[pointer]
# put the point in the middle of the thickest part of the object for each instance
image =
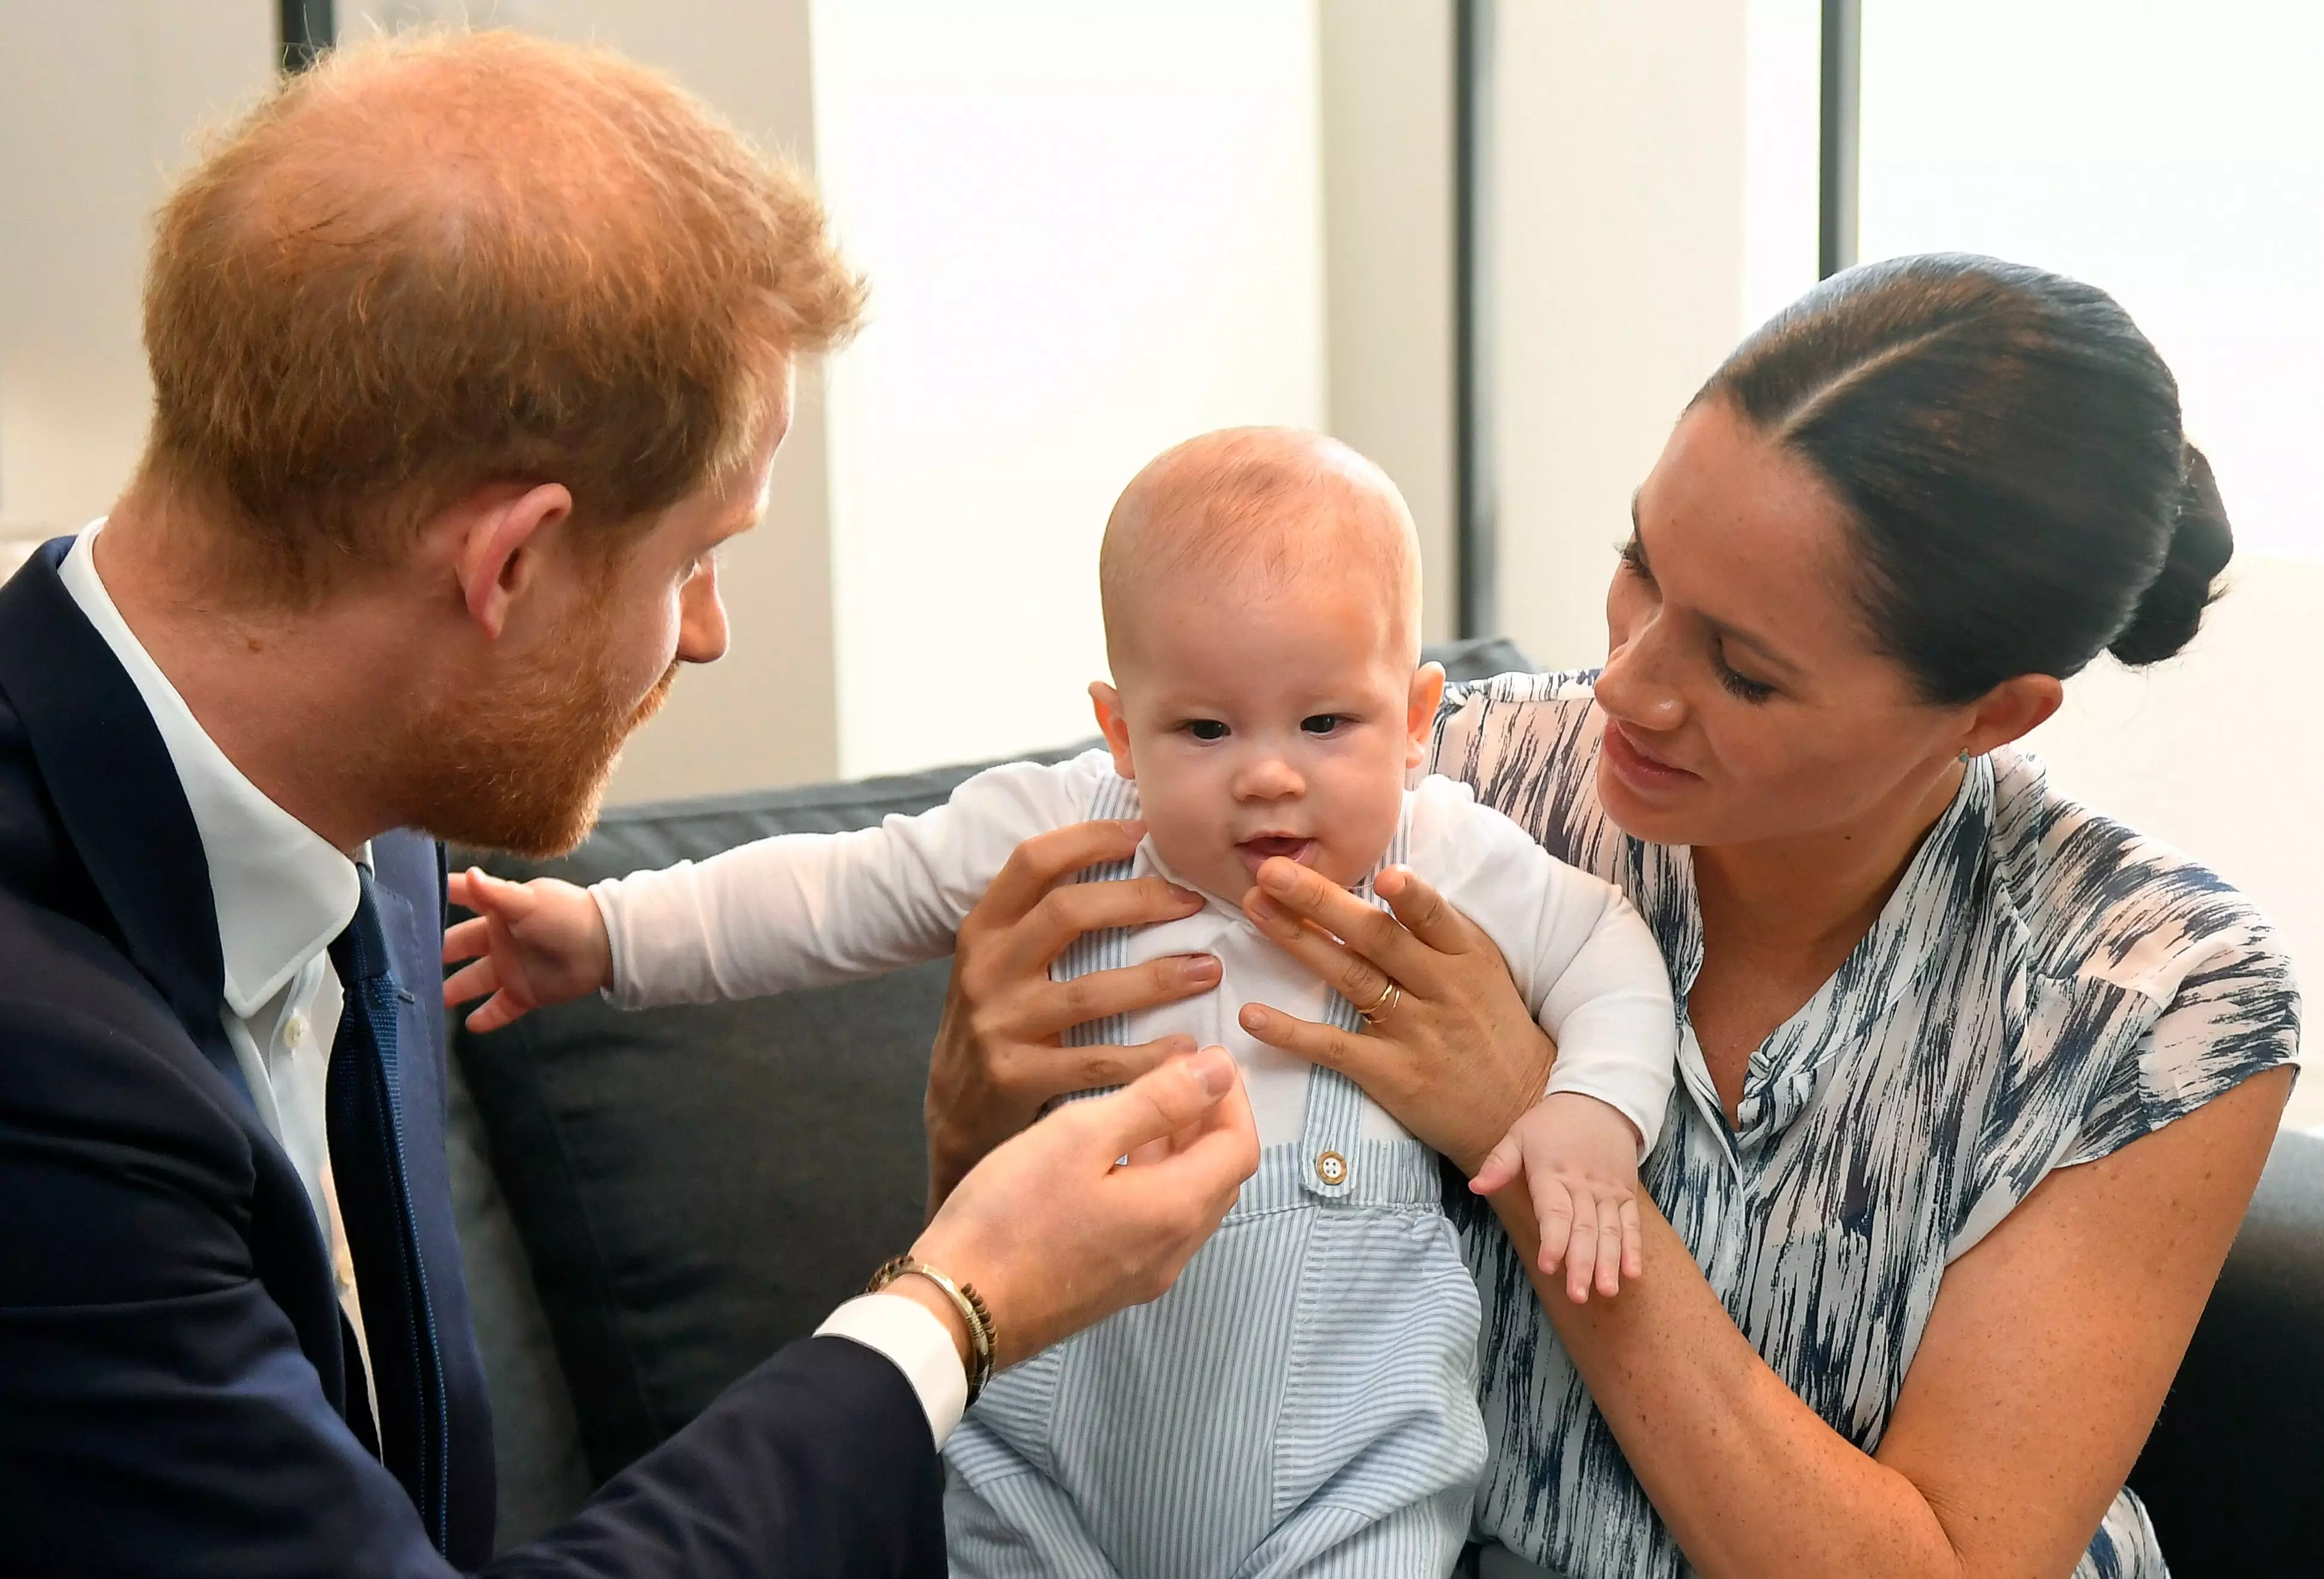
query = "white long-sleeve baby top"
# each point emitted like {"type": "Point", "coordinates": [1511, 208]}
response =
{"type": "Point", "coordinates": [810, 909]}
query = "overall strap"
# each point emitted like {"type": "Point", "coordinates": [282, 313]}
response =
{"type": "Point", "coordinates": [1109, 948]}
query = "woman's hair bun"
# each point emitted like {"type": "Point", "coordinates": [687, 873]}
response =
{"type": "Point", "coordinates": [2170, 610]}
{"type": "Point", "coordinates": [2010, 454]}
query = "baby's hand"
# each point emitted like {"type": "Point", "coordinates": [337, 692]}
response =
{"type": "Point", "coordinates": [1580, 1159]}
{"type": "Point", "coordinates": [533, 943]}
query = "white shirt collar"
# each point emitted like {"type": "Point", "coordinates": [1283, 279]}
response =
{"type": "Point", "coordinates": [282, 891]}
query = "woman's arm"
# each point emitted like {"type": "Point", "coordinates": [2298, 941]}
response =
{"type": "Point", "coordinates": [2042, 1369]}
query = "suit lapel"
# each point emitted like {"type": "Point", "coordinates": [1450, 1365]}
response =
{"type": "Point", "coordinates": [118, 794]}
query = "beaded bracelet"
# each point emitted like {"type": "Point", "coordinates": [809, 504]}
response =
{"type": "Point", "coordinates": [982, 1333]}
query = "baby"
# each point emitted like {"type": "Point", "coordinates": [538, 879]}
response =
{"type": "Point", "coordinates": [1303, 1400]}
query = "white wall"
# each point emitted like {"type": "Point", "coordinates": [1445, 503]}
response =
{"type": "Point", "coordinates": [1092, 231]}
{"type": "Point", "coordinates": [99, 102]}
{"type": "Point", "coordinates": [1388, 259]}
{"type": "Point", "coordinates": [1618, 256]}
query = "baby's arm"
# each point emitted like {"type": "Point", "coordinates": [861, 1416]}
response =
{"type": "Point", "coordinates": [1591, 973]}
{"type": "Point", "coordinates": [799, 910]}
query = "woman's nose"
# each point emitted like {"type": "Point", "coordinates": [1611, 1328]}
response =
{"type": "Point", "coordinates": [1633, 687]}
{"type": "Point", "coordinates": [701, 617]}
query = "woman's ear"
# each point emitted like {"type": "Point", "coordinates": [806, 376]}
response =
{"type": "Point", "coordinates": [2012, 710]}
{"type": "Point", "coordinates": [1420, 716]}
{"type": "Point", "coordinates": [1111, 724]}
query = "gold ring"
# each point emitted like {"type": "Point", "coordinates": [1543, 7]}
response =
{"type": "Point", "coordinates": [1390, 996]}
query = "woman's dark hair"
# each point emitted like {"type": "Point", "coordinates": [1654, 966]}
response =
{"type": "Point", "coordinates": [2008, 446]}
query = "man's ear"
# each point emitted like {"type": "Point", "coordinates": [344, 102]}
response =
{"type": "Point", "coordinates": [496, 547]}
{"type": "Point", "coordinates": [1114, 726]}
{"type": "Point", "coordinates": [1420, 716]}
{"type": "Point", "coordinates": [2012, 710]}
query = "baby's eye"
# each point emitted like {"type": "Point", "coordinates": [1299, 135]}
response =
{"type": "Point", "coordinates": [1205, 729]}
{"type": "Point", "coordinates": [1322, 723]}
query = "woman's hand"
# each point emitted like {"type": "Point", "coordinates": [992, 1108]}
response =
{"type": "Point", "coordinates": [1452, 1053]}
{"type": "Point", "coordinates": [997, 1057]}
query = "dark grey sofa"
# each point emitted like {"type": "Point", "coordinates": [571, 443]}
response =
{"type": "Point", "coordinates": [651, 1203]}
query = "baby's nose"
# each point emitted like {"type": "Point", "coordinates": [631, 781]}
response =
{"type": "Point", "coordinates": [1270, 778]}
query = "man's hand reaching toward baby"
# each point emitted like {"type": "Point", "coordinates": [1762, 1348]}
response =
{"type": "Point", "coordinates": [1580, 1161]}
{"type": "Point", "coordinates": [531, 944]}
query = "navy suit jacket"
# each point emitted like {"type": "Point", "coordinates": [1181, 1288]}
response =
{"type": "Point", "coordinates": [174, 1372]}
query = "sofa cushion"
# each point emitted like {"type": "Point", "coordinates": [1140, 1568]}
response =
{"type": "Point", "coordinates": [695, 1187]}
{"type": "Point", "coordinates": [2232, 1473]}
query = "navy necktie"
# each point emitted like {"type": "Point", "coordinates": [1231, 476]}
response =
{"type": "Point", "coordinates": [364, 1121]}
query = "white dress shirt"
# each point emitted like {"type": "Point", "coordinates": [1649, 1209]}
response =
{"type": "Point", "coordinates": [283, 894]}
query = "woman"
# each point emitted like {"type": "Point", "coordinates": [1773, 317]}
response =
{"type": "Point", "coordinates": [1976, 1084]}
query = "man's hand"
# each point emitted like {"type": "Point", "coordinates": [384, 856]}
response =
{"type": "Point", "coordinates": [533, 944]}
{"type": "Point", "coordinates": [998, 1059]}
{"type": "Point", "coordinates": [1580, 1161]}
{"type": "Point", "coordinates": [1058, 1233]}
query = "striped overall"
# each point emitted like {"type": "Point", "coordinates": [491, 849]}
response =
{"type": "Point", "coordinates": [1303, 1401]}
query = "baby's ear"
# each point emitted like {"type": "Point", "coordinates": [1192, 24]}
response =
{"type": "Point", "coordinates": [1420, 720]}
{"type": "Point", "coordinates": [1110, 722]}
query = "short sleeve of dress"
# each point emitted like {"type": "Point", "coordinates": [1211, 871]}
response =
{"type": "Point", "coordinates": [2234, 1014]}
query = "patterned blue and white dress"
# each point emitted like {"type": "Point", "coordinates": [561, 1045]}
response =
{"type": "Point", "coordinates": [2044, 987]}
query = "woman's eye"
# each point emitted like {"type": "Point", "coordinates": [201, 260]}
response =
{"type": "Point", "coordinates": [1741, 686]}
{"type": "Point", "coordinates": [1322, 723]}
{"type": "Point", "coordinates": [1205, 729]}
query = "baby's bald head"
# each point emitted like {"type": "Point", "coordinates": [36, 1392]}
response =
{"type": "Point", "coordinates": [1261, 512]}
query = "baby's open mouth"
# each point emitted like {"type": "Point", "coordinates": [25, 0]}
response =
{"type": "Point", "coordinates": [1255, 852]}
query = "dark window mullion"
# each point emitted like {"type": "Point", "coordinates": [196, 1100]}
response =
{"type": "Point", "coordinates": [309, 28]}
{"type": "Point", "coordinates": [1839, 136]}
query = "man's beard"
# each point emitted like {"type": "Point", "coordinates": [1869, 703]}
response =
{"type": "Point", "coordinates": [526, 772]}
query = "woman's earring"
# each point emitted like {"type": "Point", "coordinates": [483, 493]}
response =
{"type": "Point", "coordinates": [1964, 756]}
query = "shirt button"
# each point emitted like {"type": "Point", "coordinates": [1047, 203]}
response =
{"type": "Point", "coordinates": [294, 1028]}
{"type": "Point", "coordinates": [1332, 1168]}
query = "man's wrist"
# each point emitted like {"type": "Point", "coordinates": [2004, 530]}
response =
{"type": "Point", "coordinates": [934, 1301]}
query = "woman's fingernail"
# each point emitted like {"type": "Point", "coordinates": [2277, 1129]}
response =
{"type": "Point", "coordinates": [1279, 876]}
{"type": "Point", "coordinates": [1215, 1070]}
{"type": "Point", "coordinates": [1252, 1018]}
{"type": "Point", "coordinates": [1185, 896]}
{"type": "Point", "coordinates": [1202, 971]}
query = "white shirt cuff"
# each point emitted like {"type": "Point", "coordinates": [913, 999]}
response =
{"type": "Point", "coordinates": [917, 1343]}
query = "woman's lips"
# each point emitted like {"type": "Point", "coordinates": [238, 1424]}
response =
{"type": "Point", "coordinates": [1638, 767]}
{"type": "Point", "coordinates": [1258, 851]}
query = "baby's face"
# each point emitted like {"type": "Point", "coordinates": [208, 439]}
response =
{"type": "Point", "coordinates": [1270, 723]}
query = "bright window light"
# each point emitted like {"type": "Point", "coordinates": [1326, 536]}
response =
{"type": "Point", "coordinates": [2169, 152]}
